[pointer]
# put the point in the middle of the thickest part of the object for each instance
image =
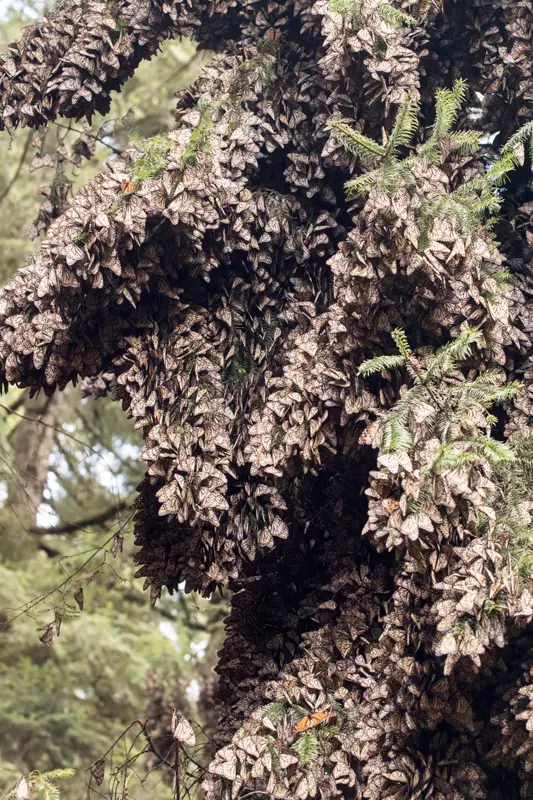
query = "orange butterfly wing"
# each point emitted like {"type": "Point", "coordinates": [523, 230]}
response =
{"type": "Point", "coordinates": [127, 187]}
{"type": "Point", "coordinates": [311, 721]}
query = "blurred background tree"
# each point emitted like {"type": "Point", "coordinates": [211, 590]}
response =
{"type": "Point", "coordinates": [68, 471]}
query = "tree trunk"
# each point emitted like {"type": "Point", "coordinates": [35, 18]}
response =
{"type": "Point", "coordinates": [33, 444]}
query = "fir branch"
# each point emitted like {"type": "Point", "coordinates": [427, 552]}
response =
{"type": "Point", "coordinates": [405, 126]}
{"type": "Point", "coordinates": [400, 340]}
{"type": "Point", "coordinates": [523, 135]}
{"type": "Point", "coordinates": [351, 9]}
{"type": "Point", "coordinates": [306, 748]}
{"type": "Point", "coordinates": [464, 142]}
{"type": "Point", "coordinates": [498, 173]}
{"type": "Point", "coordinates": [448, 357]}
{"type": "Point", "coordinates": [380, 364]}
{"type": "Point", "coordinates": [448, 103]}
{"type": "Point", "coordinates": [394, 17]}
{"type": "Point", "coordinates": [366, 149]}
{"type": "Point", "coordinates": [362, 184]}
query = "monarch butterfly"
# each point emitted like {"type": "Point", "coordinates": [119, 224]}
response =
{"type": "Point", "coordinates": [127, 187]}
{"type": "Point", "coordinates": [273, 34]}
{"type": "Point", "coordinates": [312, 720]}
{"type": "Point", "coordinates": [182, 729]}
{"type": "Point", "coordinates": [391, 504]}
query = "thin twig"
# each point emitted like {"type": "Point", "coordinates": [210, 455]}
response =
{"type": "Point", "coordinates": [88, 133]}
{"type": "Point", "coordinates": [19, 167]}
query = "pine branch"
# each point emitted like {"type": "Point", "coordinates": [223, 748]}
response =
{"type": "Point", "coordinates": [394, 17]}
{"type": "Point", "coordinates": [447, 105]}
{"type": "Point", "coordinates": [448, 357]}
{"type": "Point", "coordinates": [523, 135]}
{"type": "Point", "coordinates": [362, 184]}
{"type": "Point", "coordinates": [351, 9]}
{"type": "Point", "coordinates": [366, 149]}
{"type": "Point", "coordinates": [306, 748]}
{"type": "Point", "coordinates": [464, 142]}
{"type": "Point", "coordinates": [400, 340]}
{"type": "Point", "coordinates": [405, 126]}
{"type": "Point", "coordinates": [380, 364]}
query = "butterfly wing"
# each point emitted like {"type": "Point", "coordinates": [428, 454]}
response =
{"type": "Point", "coordinates": [127, 187]}
{"type": "Point", "coordinates": [319, 717]}
{"type": "Point", "coordinates": [183, 732]}
{"type": "Point", "coordinates": [304, 724]}
{"type": "Point", "coordinates": [311, 721]}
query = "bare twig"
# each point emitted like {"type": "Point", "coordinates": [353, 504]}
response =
{"type": "Point", "coordinates": [13, 180]}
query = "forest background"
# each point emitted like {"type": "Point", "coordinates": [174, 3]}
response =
{"type": "Point", "coordinates": [68, 472]}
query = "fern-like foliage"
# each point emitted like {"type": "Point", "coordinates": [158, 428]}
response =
{"type": "Point", "coordinates": [274, 711]}
{"type": "Point", "coordinates": [351, 9]}
{"type": "Point", "coordinates": [306, 748]}
{"type": "Point", "coordinates": [151, 162]}
{"type": "Point", "coordinates": [523, 136]}
{"type": "Point", "coordinates": [455, 409]}
{"type": "Point", "coordinates": [394, 17]}
{"type": "Point", "coordinates": [40, 786]}
{"type": "Point", "coordinates": [388, 168]}
{"type": "Point", "coordinates": [440, 431]}
{"type": "Point", "coordinates": [513, 504]}
{"type": "Point", "coordinates": [443, 140]}
{"type": "Point", "coordinates": [478, 200]}
{"type": "Point", "coordinates": [366, 149]}
{"type": "Point", "coordinates": [404, 128]}
{"type": "Point", "coordinates": [354, 11]}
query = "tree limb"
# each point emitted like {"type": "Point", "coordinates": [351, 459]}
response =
{"type": "Point", "coordinates": [70, 527]}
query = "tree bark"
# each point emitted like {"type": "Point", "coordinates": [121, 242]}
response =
{"type": "Point", "coordinates": [33, 443]}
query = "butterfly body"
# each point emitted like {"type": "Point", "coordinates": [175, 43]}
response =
{"type": "Point", "coordinates": [312, 720]}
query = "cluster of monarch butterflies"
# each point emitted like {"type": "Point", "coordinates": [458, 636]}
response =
{"type": "Point", "coordinates": [288, 296]}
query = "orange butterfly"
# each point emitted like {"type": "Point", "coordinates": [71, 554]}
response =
{"type": "Point", "coordinates": [273, 34]}
{"type": "Point", "coordinates": [312, 720]}
{"type": "Point", "coordinates": [127, 187]}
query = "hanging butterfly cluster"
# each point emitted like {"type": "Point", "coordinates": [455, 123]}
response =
{"type": "Point", "coordinates": [378, 641]}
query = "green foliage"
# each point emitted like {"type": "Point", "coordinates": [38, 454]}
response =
{"type": "Point", "coordinates": [306, 748]}
{"type": "Point", "coordinates": [328, 731]}
{"type": "Point", "coordinates": [465, 207]}
{"type": "Point", "coordinates": [354, 11]}
{"type": "Point", "coordinates": [366, 149]}
{"type": "Point", "coordinates": [152, 161]}
{"type": "Point", "coordinates": [380, 364]}
{"type": "Point", "coordinates": [389, 169]}
{"type": "Point", "coordinates": [40, 785]}
{"type": "Point", "coordinates": [81, 237]}
{"type": "Point", "coordinates": [522, 137]}
{"type": "Point", "coordinates": [456, 407]}
{"type": "Point", "coordinates": [404, 128]}
{"type": "Point", "coordinates": [442, 407]}
{"type": "Point", "coordinates": [200, 137]}
{"type": "Point", "coordinates": [274, 712]}
{"type": "Point", "coordinates": [351, 9]}
{"type": "Point", "coordinates": [512, 503]}
{"type": "Point", "coordinates": [394, 17]}
{"type": "Point", "coordinates": [443, 140]}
